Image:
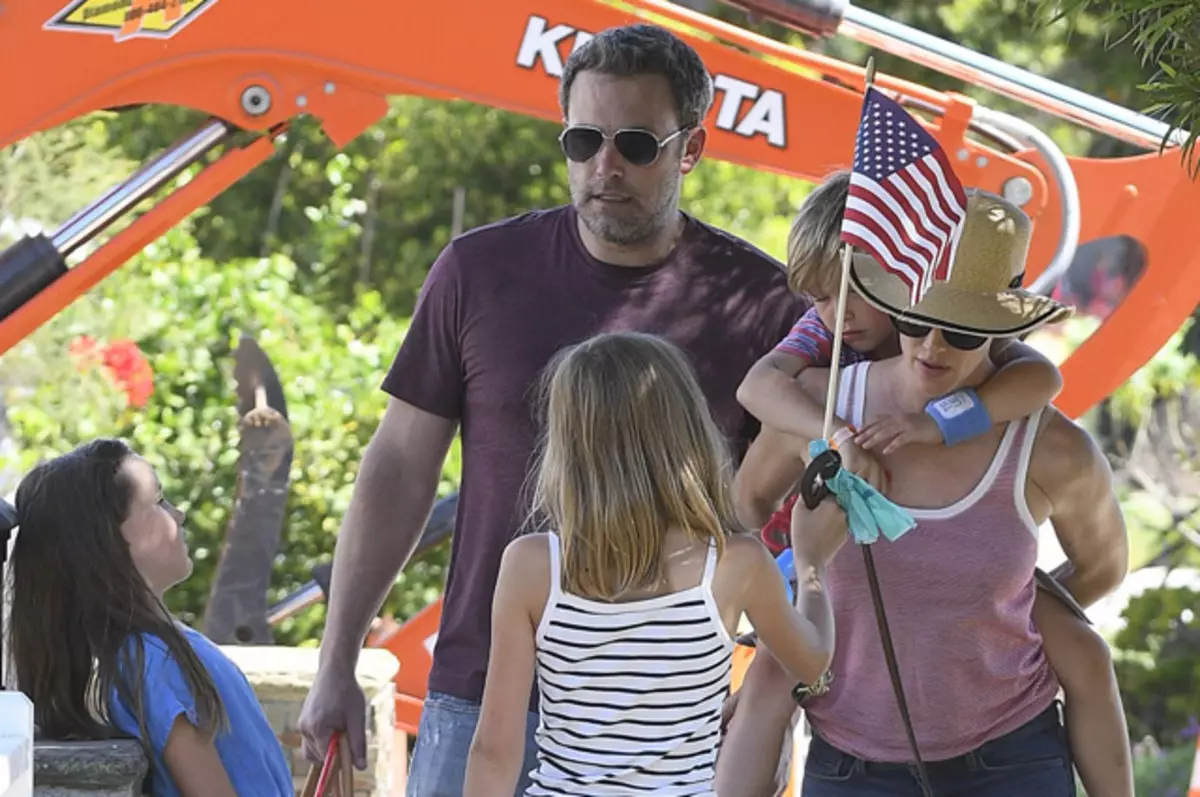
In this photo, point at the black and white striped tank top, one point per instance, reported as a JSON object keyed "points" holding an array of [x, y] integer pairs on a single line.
{"points": [[631, 693]]}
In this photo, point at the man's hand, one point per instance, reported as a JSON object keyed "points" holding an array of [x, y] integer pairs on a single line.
{"points": [[334, 703], [891, 433], [862, 463], [393, 493]]}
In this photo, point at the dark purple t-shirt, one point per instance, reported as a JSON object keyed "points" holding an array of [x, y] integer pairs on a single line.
{"points": [[499, 302]]}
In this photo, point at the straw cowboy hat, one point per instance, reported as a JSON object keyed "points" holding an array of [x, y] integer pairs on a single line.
{"points": [[983, 294]]}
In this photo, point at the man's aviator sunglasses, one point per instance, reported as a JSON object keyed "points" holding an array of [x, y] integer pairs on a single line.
{"points": [[580, 143], [958, 340]]}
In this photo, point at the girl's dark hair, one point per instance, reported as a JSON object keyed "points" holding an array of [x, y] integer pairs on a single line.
{"points": [[80, 606]]}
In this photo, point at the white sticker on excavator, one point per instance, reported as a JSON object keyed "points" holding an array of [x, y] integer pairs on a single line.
{"points": [[764, 115]]}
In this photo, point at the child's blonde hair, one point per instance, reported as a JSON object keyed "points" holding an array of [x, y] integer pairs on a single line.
{"points": [[629, 450], [814, 242]]}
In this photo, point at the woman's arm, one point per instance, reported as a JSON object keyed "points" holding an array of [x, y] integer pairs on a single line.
{"points": [[494, 763], [1072, 472]]}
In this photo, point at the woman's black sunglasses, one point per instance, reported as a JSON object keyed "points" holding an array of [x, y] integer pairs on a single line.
{"points": [[580, 143], [958, 340]]}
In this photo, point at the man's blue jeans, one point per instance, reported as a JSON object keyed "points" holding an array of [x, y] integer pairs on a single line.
{"points": [[1035, 759], [439, 761]]}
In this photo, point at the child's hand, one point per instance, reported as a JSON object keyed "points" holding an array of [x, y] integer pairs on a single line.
{"points": [[892, 432], [863, 464]]}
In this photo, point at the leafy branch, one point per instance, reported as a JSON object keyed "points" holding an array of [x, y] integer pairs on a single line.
{"points": [[1165, 34]]}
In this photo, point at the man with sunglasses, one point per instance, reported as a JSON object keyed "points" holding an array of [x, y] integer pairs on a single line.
{"points": [[980, 650], [499, 302]]}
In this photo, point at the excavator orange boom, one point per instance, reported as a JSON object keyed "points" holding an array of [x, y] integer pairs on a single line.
{"points": [[256, 65]]}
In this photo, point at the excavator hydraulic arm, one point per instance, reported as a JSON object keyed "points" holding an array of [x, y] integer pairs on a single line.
{"points": [[254, 66]]}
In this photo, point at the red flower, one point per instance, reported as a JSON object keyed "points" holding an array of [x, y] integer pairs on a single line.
{"points": [[125, 362], [84, 349]]}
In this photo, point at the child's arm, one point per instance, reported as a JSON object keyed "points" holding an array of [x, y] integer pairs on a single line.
{"points": [[800, 638], [194, 763], [1095, 716], [172, 717], [1024, 382], [770, 392], [494, 763]]}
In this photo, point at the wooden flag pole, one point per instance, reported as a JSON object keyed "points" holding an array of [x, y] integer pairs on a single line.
{"points": [[835, 370]]}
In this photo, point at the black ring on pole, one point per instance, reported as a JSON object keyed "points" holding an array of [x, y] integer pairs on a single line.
{"points": [[814, 485]]}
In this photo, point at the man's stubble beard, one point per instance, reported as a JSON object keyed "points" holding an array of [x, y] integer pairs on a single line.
{"points": [[628, 229]]}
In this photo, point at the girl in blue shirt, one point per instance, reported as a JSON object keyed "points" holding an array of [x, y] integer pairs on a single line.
{"points": [[94, 646]]}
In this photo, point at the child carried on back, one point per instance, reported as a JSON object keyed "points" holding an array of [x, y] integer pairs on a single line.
{"points": [[1024, 382], [624, 608]]}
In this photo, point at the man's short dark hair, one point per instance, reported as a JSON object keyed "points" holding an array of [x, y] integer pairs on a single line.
{"points": [[643, 49]]}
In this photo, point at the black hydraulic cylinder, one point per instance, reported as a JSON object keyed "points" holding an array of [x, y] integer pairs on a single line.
{"points": [[26, 269]]}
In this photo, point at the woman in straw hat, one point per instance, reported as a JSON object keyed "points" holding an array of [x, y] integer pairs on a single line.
{"points": [[959, 589]]}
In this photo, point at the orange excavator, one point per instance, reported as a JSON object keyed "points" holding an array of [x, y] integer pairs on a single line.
{"points": [[254, 66]]}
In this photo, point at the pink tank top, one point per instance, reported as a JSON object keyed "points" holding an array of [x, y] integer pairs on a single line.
{"points": [[958, 590]]}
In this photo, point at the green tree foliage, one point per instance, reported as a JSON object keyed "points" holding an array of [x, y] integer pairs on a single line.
{"points": [[187, 313], [1159, 671], [374, 216], [1165, 34], [49, 177], [1162, 771]]}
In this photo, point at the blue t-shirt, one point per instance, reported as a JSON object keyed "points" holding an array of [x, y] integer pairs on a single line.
{"points": [[249, 749]]}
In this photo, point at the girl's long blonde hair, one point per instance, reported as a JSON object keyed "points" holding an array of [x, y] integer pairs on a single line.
{"points": [[629, 450]]}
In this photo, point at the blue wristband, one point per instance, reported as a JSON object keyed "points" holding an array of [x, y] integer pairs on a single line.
{"points": [[960, 415]]}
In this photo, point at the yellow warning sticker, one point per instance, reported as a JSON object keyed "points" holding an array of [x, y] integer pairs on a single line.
{"points": [[129, 19]]}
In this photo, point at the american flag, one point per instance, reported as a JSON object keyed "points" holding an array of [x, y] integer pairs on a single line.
{"points": [[906, 206]]}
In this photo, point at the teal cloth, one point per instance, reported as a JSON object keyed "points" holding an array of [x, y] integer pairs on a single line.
{"points": [[868, 513]]}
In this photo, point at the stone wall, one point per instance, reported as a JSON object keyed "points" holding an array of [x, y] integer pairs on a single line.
{"points": [[115, 768], [281, 678]]}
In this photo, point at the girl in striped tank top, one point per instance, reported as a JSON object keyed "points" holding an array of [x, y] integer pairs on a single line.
{"points": [[623, 608]]}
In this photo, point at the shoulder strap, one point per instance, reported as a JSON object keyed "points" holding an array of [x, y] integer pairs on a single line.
{"points": [[844, 393], [1025, 438], [710, 567], [555, 569], [852, 392], [1029, 433]]}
